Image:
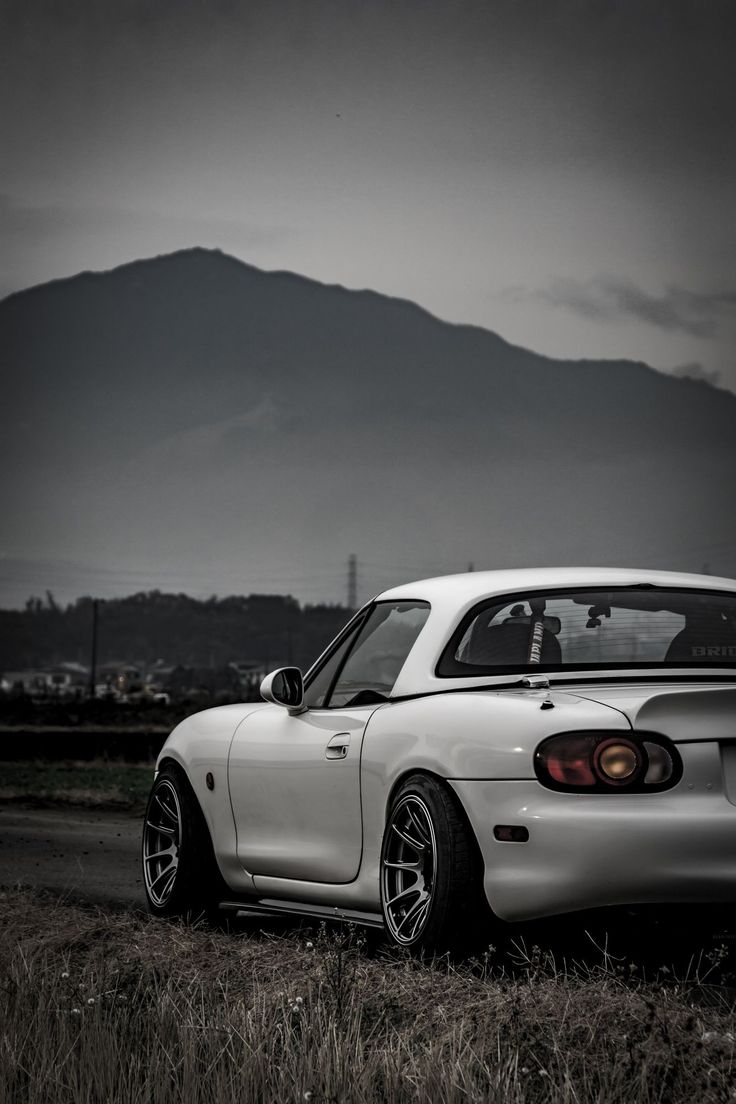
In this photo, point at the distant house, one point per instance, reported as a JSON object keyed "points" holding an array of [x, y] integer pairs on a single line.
{"points": [[28, 681], [157, 682], [250, 672], [61, 681], [120, 678]]}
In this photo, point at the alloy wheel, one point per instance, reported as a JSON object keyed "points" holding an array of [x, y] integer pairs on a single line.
{"points": [[161, 842], [408, 869]]}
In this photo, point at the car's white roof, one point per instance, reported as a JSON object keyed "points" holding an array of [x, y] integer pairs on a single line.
{"points": [[452, 596], [476, 585]]}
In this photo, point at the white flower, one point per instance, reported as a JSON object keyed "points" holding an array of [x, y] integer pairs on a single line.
{"points": [[75, 1011], [90, 1000], [65, 973], [299, 1000]]}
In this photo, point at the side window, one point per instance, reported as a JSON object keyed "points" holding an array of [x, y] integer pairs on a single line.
{"points": [[380, 652], [319, 686]]}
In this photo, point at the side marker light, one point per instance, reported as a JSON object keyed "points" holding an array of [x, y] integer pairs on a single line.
{"points": [[511, 833]]}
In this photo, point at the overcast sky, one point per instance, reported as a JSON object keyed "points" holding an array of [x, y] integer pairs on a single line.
{"points": [[559, 171]]}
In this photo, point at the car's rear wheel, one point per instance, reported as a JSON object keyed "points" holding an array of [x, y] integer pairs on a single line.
{"points": [[180, 873], [431, 896]]}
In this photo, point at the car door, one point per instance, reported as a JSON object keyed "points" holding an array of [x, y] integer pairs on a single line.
{"points": [[295, 780]]}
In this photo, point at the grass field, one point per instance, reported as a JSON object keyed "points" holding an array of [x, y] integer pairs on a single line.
{"points": [[118, 1008], [93, 783]]}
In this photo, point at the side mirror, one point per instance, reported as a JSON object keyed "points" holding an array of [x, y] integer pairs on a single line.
{"points": [[285, 687]]}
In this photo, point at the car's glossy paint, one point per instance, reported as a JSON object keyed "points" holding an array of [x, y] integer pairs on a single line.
{"points": [[605, 850], [685, 712], [200, 744], [314, 829], [288, 823]]}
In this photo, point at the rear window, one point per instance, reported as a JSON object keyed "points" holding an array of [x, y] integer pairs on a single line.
{"points": [[611, 628]]}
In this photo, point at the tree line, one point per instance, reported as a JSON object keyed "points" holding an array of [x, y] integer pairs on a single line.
{"points": [[173, 628]]}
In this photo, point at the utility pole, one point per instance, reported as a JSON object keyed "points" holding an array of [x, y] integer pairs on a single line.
{"points": [[352, 581], [93, 660]]}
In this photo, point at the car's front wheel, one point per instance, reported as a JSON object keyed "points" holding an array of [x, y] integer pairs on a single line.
{"points": [[180, 873], [431, 895]]}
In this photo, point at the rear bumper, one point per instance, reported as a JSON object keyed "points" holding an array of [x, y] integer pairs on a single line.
{"points": [[593, 850]]}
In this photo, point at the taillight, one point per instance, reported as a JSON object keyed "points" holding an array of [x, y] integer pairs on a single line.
{"points": [[604, 761], [660, 767], [617, 762], [568, 760]]}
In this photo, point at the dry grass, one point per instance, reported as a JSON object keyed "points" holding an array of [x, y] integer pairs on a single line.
{"points": [[114, 1007]]}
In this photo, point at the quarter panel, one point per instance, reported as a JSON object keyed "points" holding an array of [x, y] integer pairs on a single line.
{"points": [[684, 713], [488, 735], [592, 850]]}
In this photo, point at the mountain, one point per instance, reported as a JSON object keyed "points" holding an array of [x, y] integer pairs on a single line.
{"points": [[194, 414]]}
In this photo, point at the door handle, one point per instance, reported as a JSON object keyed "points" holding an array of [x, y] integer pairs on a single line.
{"points": [[338, 746]]}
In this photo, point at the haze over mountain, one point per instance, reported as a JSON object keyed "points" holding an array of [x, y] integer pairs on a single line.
{"points": [[194, 423]]}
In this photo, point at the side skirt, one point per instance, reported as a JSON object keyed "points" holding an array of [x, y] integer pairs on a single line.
{"points": [[268, 907]]}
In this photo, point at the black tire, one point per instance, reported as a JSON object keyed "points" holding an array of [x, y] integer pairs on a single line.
{"points": [[431, 871], [180, 873]]}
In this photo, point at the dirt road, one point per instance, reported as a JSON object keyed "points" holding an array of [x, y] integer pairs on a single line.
{"points": [[94, 855]]}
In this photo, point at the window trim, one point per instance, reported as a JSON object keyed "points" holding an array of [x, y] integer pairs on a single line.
{"points": [[447, 667]]}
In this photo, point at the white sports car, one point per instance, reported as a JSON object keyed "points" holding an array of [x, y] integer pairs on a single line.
{"points": [[508, 744]]}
